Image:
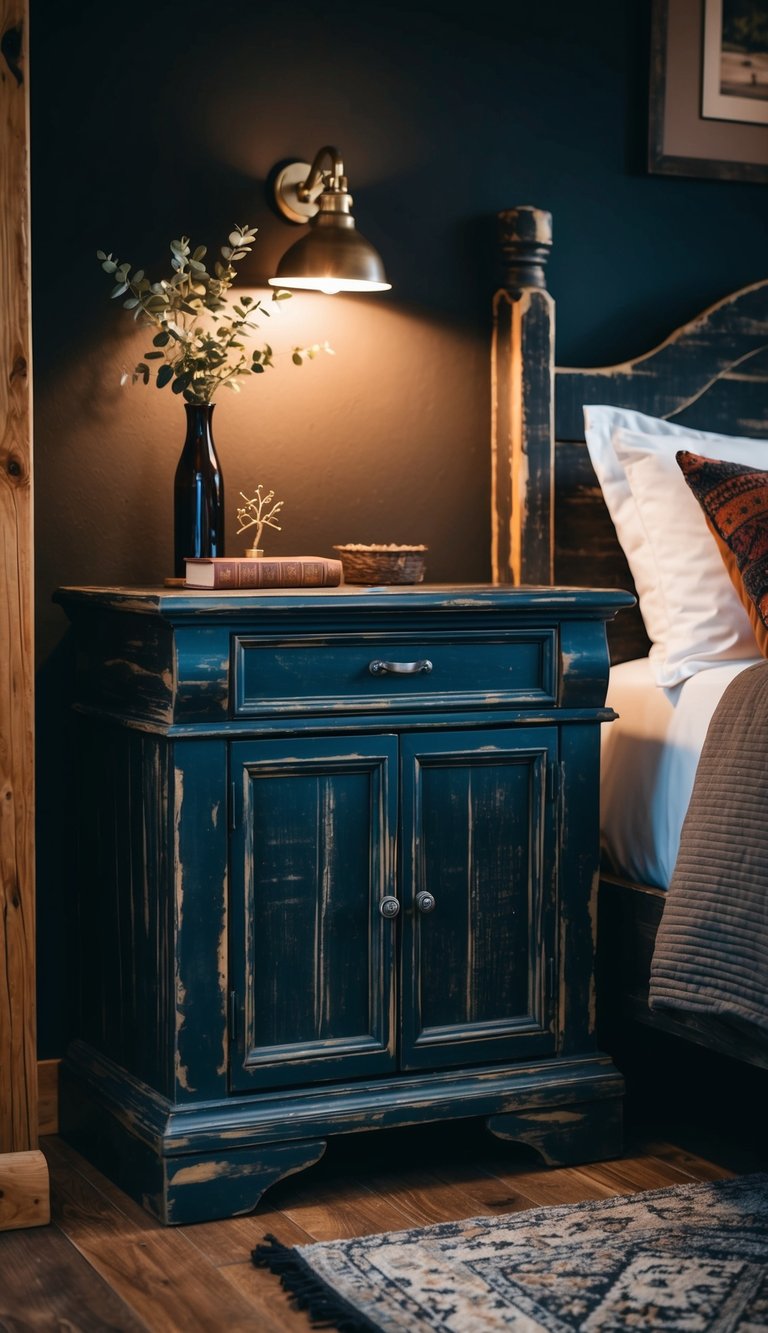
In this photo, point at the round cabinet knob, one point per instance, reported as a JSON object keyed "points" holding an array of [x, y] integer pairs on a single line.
{"points": [[425, 902], [389, 906]]}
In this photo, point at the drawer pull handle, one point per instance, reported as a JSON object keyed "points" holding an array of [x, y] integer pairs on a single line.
{"points": [[378, 668], [389, 907], [425, 902]]}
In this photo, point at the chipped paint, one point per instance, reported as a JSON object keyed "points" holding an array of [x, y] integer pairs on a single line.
{"points": [[560, 1116], [222, 952], [180, 993], [136, 669]]}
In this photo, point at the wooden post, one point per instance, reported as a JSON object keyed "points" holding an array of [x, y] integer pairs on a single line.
{"points": [[23, 1171], [522, 417]]}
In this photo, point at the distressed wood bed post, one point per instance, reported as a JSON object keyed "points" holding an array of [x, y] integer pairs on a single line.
{"points": [[23, 1169], [522, 410]]}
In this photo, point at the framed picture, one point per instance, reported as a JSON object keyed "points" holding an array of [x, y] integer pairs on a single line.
{"points": [[708, 104]]}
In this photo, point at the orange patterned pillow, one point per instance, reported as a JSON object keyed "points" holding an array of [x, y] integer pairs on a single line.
{"points": [[734, 499]]}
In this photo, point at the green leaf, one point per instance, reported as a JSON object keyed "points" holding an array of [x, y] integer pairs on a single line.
{"points": [[200, 343]]}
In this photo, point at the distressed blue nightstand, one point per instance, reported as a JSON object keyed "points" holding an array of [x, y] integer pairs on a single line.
{"points": [[338, 867]]}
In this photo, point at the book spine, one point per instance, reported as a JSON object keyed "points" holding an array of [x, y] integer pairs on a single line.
{"points": [[263, 573]]}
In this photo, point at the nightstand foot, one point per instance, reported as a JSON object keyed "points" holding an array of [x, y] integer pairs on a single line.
{"points": [[566, 1135], [215, 1186]]}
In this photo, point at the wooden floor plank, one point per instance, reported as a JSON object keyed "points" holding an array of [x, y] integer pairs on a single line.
{"points": [[545, 1188], [343, 1207], [628, 1175], [46, 1284], [694, 1164], [159, 1274], [446, 1193], [271, 1306], [231, 1241], [720, 1148], [106, 1266]]}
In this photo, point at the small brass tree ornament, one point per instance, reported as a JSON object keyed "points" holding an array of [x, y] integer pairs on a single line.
{"points": [[255, 514]]}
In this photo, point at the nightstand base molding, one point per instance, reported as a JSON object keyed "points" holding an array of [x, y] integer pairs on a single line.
{"points": [[216, 1160]]}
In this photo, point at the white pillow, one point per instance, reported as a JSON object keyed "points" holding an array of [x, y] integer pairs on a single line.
{"points": [[690, 608]]}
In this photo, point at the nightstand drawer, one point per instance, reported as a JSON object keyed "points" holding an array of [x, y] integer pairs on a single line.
{"points": [[366, 673]]}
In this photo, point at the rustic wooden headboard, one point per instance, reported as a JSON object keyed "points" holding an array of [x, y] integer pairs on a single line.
{"points": [[549, 520]]}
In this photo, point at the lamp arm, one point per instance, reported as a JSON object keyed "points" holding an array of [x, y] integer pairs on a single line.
{"points": [[317, 175]]}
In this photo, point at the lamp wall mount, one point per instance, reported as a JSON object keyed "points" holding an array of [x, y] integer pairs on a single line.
{"points": [[299, 185]]}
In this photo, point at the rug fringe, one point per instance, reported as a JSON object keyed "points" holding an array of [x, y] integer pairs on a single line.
{"points": [[307, 1291]]}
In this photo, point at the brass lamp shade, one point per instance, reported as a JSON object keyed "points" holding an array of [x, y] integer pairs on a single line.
{"points": [[333, 257]]}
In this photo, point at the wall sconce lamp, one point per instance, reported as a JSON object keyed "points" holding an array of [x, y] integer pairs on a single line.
{"points": [[333, 257]]}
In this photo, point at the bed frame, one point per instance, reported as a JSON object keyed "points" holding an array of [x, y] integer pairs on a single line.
{"points": [[550, 524]]}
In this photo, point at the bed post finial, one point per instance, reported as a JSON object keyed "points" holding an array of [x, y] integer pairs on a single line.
{"points": [[522, 386], [526, 240]]}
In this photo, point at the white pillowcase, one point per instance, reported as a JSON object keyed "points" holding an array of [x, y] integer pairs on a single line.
{"points": [[690, 608]]}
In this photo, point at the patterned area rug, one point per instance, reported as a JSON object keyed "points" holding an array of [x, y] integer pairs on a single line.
{"points": [[690, 1259]]}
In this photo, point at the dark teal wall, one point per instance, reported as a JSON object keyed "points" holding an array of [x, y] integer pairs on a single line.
{"points": [[150, 122]]}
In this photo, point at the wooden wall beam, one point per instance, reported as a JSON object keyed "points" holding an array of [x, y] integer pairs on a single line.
{"points": [[23, 1172]]}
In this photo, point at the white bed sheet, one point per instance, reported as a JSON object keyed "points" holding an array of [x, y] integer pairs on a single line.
{"points": [[648, 764]]}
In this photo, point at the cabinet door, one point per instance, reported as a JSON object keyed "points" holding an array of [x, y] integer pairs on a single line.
{"points": [[311, 961], [479, 838]]}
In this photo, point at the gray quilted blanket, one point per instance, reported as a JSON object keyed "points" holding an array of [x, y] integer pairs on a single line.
{"points": [[711, 951]]}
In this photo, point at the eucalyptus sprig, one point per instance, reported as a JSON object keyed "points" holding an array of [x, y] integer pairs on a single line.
{"points": [[199, 345]]}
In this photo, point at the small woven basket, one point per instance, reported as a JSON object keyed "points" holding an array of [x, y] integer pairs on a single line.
{"points": [[382, 564]]}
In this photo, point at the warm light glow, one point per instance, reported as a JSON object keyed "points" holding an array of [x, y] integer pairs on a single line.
{"points": [[330, 286]]}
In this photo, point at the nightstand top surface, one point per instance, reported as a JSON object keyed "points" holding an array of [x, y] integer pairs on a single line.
{"points": [[204, 602]]}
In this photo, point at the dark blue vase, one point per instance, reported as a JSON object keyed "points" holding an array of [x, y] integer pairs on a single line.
{"points": [[198, 492]]}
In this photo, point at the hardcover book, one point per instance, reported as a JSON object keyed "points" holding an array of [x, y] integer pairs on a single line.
{"points": [[283, 571]]}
